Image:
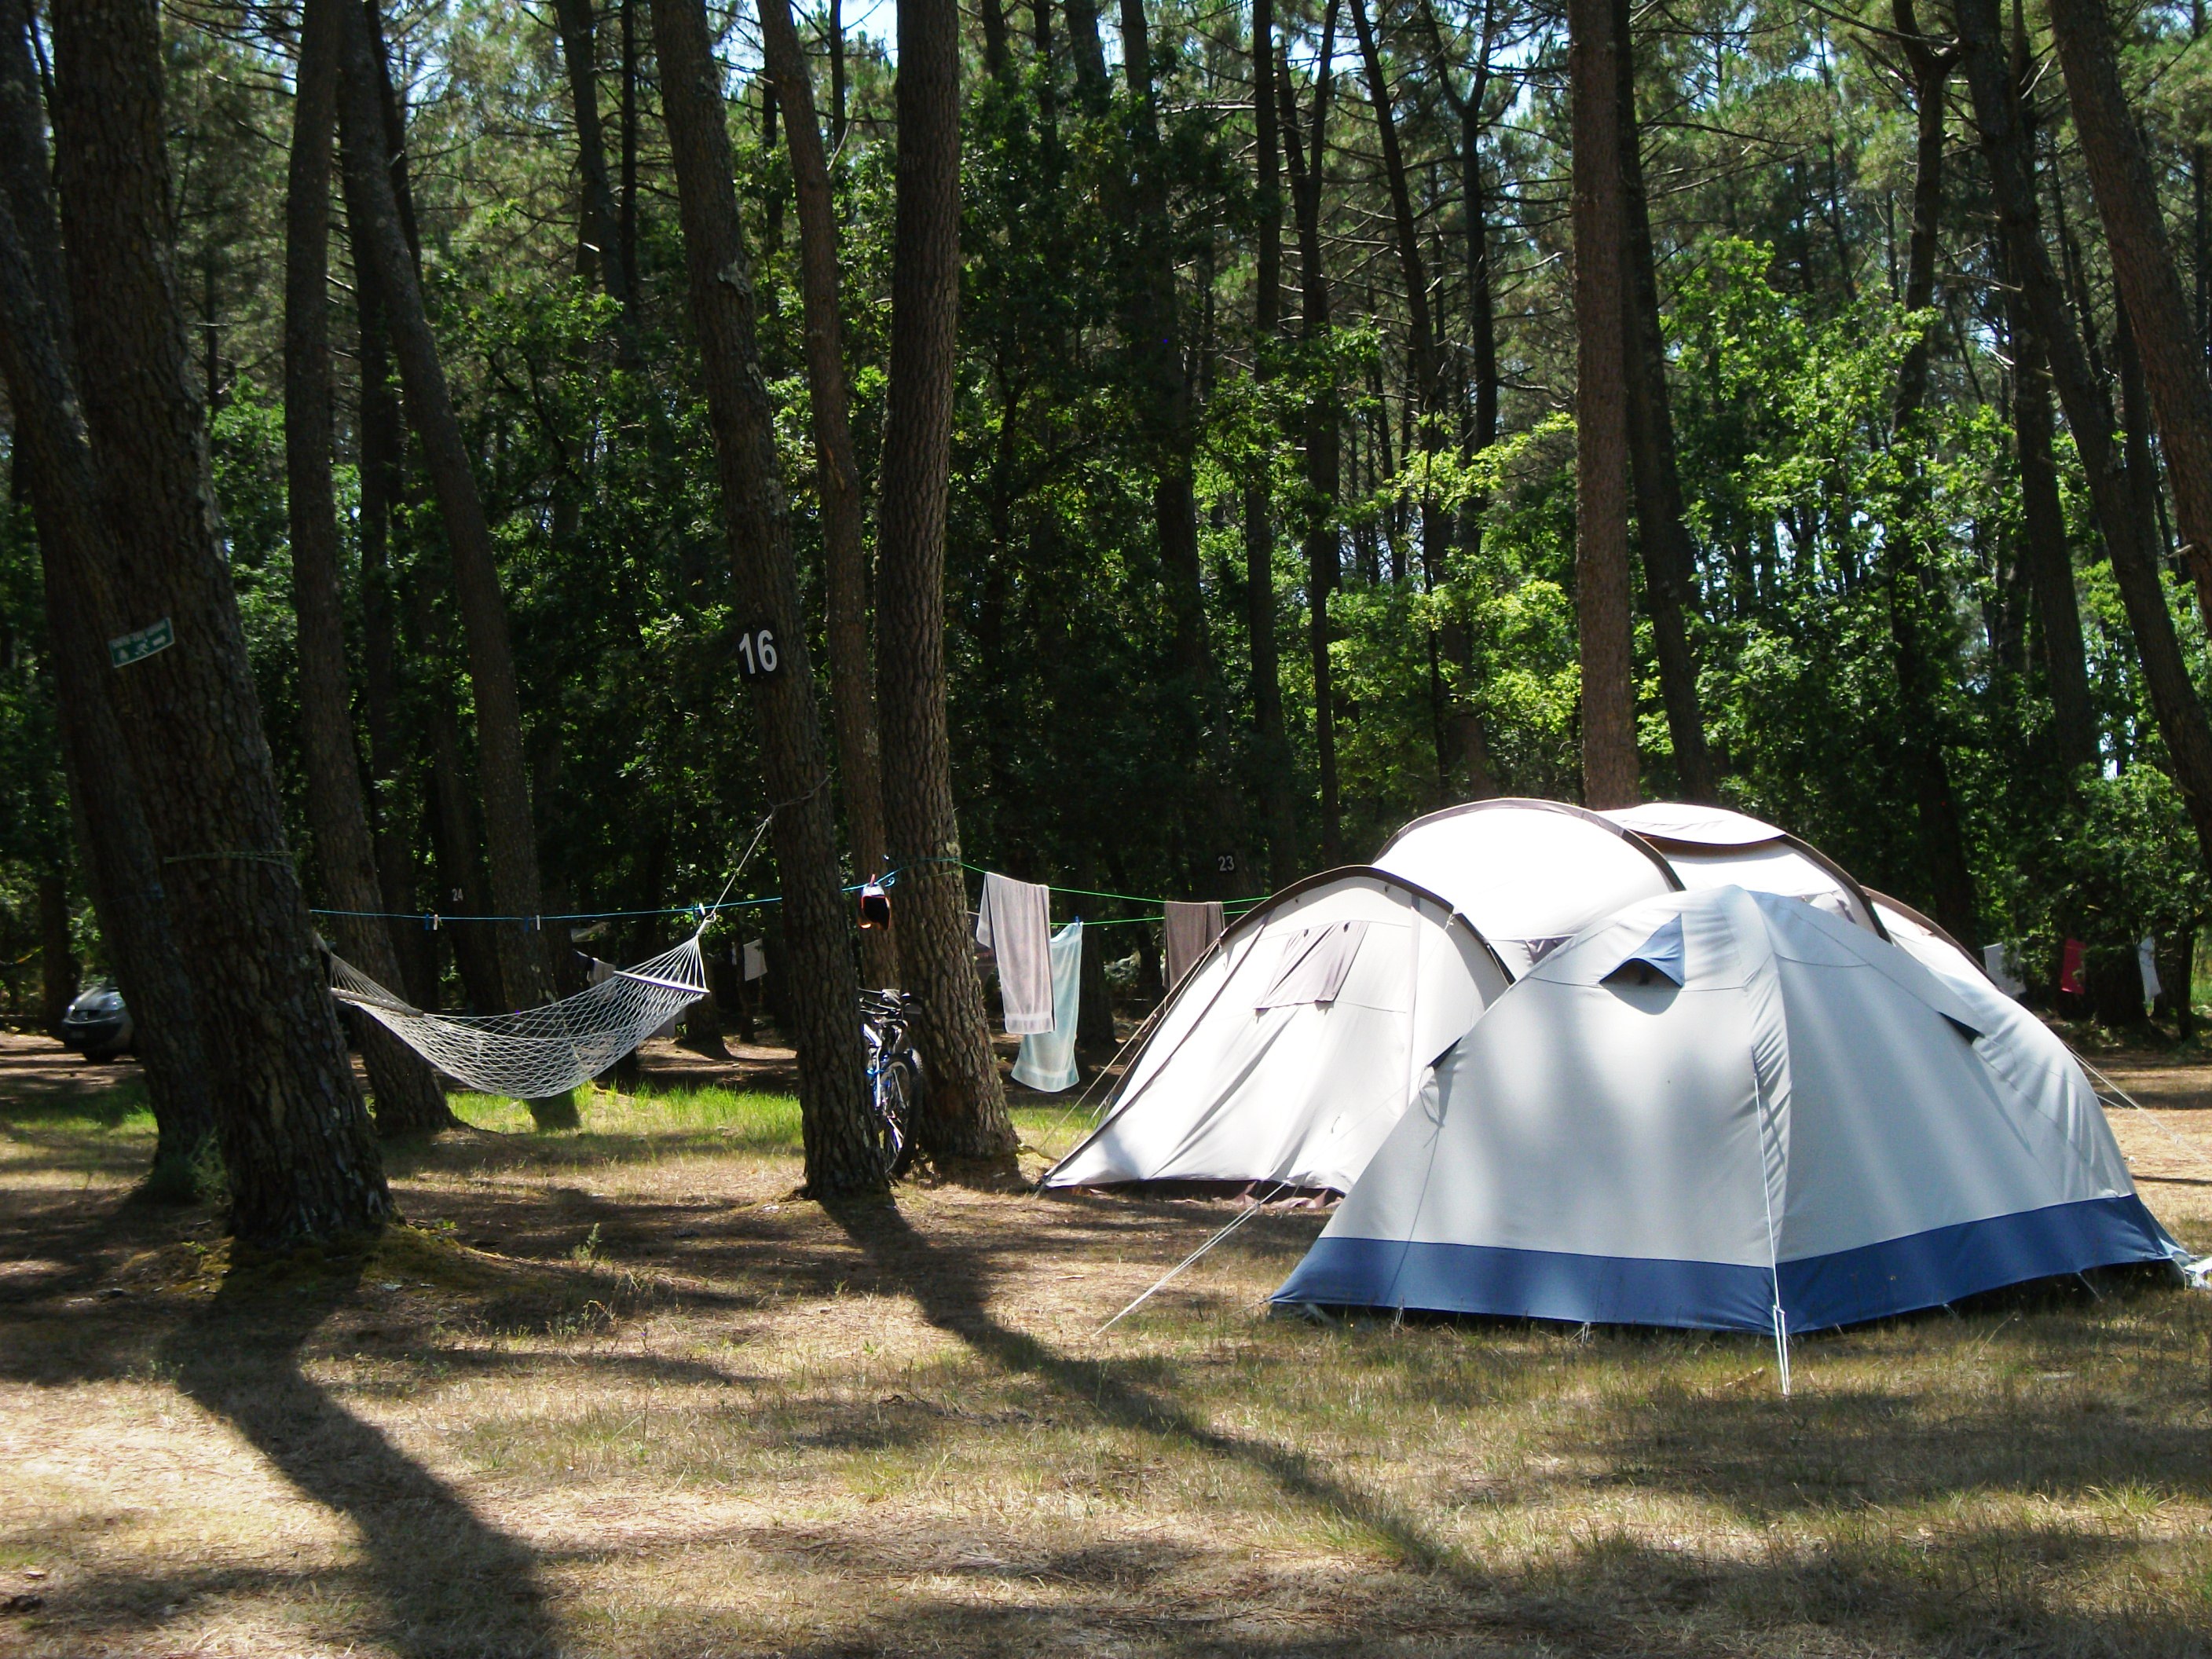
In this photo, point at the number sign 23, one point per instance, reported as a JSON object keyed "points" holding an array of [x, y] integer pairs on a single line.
{"points": [[759, 658]]}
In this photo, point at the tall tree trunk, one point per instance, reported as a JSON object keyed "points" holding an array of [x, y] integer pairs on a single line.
{"points": [[1914, 605], [121, 868], [2174, 703], [601, 231], [1420, 334], [1424, 403], [837, 476], [816, 955], [1601, 232], [1092, 91], [1482, 317], [406, 1091], [131, 475], [626, 210], [1323, 425], [2136, 423], [1670, 564], [378, 440], [452, 824], [998, 57], [1272, 746], [1048, 81], [2042, 544], [379, 241], [1167, 417], [2143, 271], [965, 1123], [382, 474], [58, 976], [837, 77]]}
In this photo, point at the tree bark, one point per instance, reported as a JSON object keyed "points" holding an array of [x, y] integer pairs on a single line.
{"points": [[998, 56], [1271, 745], [406, 1092], [2174, 703], [1662, 537], [1323, 425], [964, 1125], [2042, 544], [121, 868], [1424, 412], [58, 976], [1911, 600], [817, 949], [296, 1145], [1167, 417], [511, 839], [1601, 488], [2044, 551], [837, 477], [1092, 90], [2143, 271], [601, 233], [626, 216], [452, 825], [378, 436], [1481, 784]]}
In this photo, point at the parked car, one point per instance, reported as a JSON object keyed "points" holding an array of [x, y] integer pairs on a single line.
{"points": [[98, 1026]]}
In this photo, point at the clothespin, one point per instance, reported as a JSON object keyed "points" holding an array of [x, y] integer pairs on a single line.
{"points": [[433, 922]]}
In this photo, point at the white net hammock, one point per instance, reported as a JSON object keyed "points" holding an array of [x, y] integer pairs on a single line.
{"points": [[537, 1052]]}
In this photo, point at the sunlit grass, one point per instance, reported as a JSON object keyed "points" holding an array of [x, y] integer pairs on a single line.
{"points": [[628, 1372], [111, 1105], [744, 1120]]}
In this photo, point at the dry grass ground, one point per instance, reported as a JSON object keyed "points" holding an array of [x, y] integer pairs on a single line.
{"points": [[618, 1392]]}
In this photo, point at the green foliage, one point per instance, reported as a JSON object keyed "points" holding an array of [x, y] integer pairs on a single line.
{"points": [[2122, 865], [1086, 748]]}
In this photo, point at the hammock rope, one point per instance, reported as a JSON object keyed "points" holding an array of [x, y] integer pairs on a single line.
{"points": [[540, 1052], [543, 1051]]}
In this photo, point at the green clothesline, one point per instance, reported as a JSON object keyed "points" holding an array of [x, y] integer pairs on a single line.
{"points": [[1092, 892], [432, 919]]}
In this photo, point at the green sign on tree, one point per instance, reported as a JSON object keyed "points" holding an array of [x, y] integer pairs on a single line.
{"points": [[126, 648]]}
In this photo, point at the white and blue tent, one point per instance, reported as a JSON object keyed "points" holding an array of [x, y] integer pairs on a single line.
{"points": [[1290, 1051], [1719, 1103]]}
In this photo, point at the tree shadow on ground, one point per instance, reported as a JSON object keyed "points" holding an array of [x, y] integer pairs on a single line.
{"points": [[2004, 1582], [450, 1583]]}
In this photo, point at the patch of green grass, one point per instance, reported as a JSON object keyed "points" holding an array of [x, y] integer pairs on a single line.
{"points": [[1053, 1130], [739, 1121], [122, 1107]]}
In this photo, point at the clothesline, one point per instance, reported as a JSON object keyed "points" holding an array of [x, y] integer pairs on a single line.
{"points": [[1132, 898], [432, 919]]}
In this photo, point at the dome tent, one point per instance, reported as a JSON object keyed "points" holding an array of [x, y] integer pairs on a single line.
{"points": [[1529, 874], [1292, 1047], [1925, 941], [1712, 847], [1719, 1102]]}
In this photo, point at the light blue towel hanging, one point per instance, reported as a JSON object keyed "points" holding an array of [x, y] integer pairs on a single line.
{"points": [[1047, 1062]]}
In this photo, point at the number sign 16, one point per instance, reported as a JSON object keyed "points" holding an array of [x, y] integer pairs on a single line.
{"points": [[757, 656]]}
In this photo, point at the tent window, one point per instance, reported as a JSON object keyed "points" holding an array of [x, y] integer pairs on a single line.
{"points": [[1314, 964], [1659, 956]]}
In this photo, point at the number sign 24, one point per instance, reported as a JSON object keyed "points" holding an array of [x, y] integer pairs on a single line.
{"points": [[758, 657]]}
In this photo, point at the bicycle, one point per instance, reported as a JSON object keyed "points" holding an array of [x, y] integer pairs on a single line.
{"points": [[897, 1081]]}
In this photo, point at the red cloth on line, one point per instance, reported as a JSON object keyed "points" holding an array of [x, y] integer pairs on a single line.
{"points": [[2069, 968]]}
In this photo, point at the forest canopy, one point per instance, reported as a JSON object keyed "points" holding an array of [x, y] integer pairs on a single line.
{"points": [[1262, 525]]}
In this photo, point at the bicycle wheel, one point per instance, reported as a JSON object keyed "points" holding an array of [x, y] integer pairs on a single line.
{"points": [[895, 1094]]}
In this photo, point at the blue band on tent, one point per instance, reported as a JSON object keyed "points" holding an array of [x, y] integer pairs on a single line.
{"points": [[1923, 1270], [1946, 1263]]}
